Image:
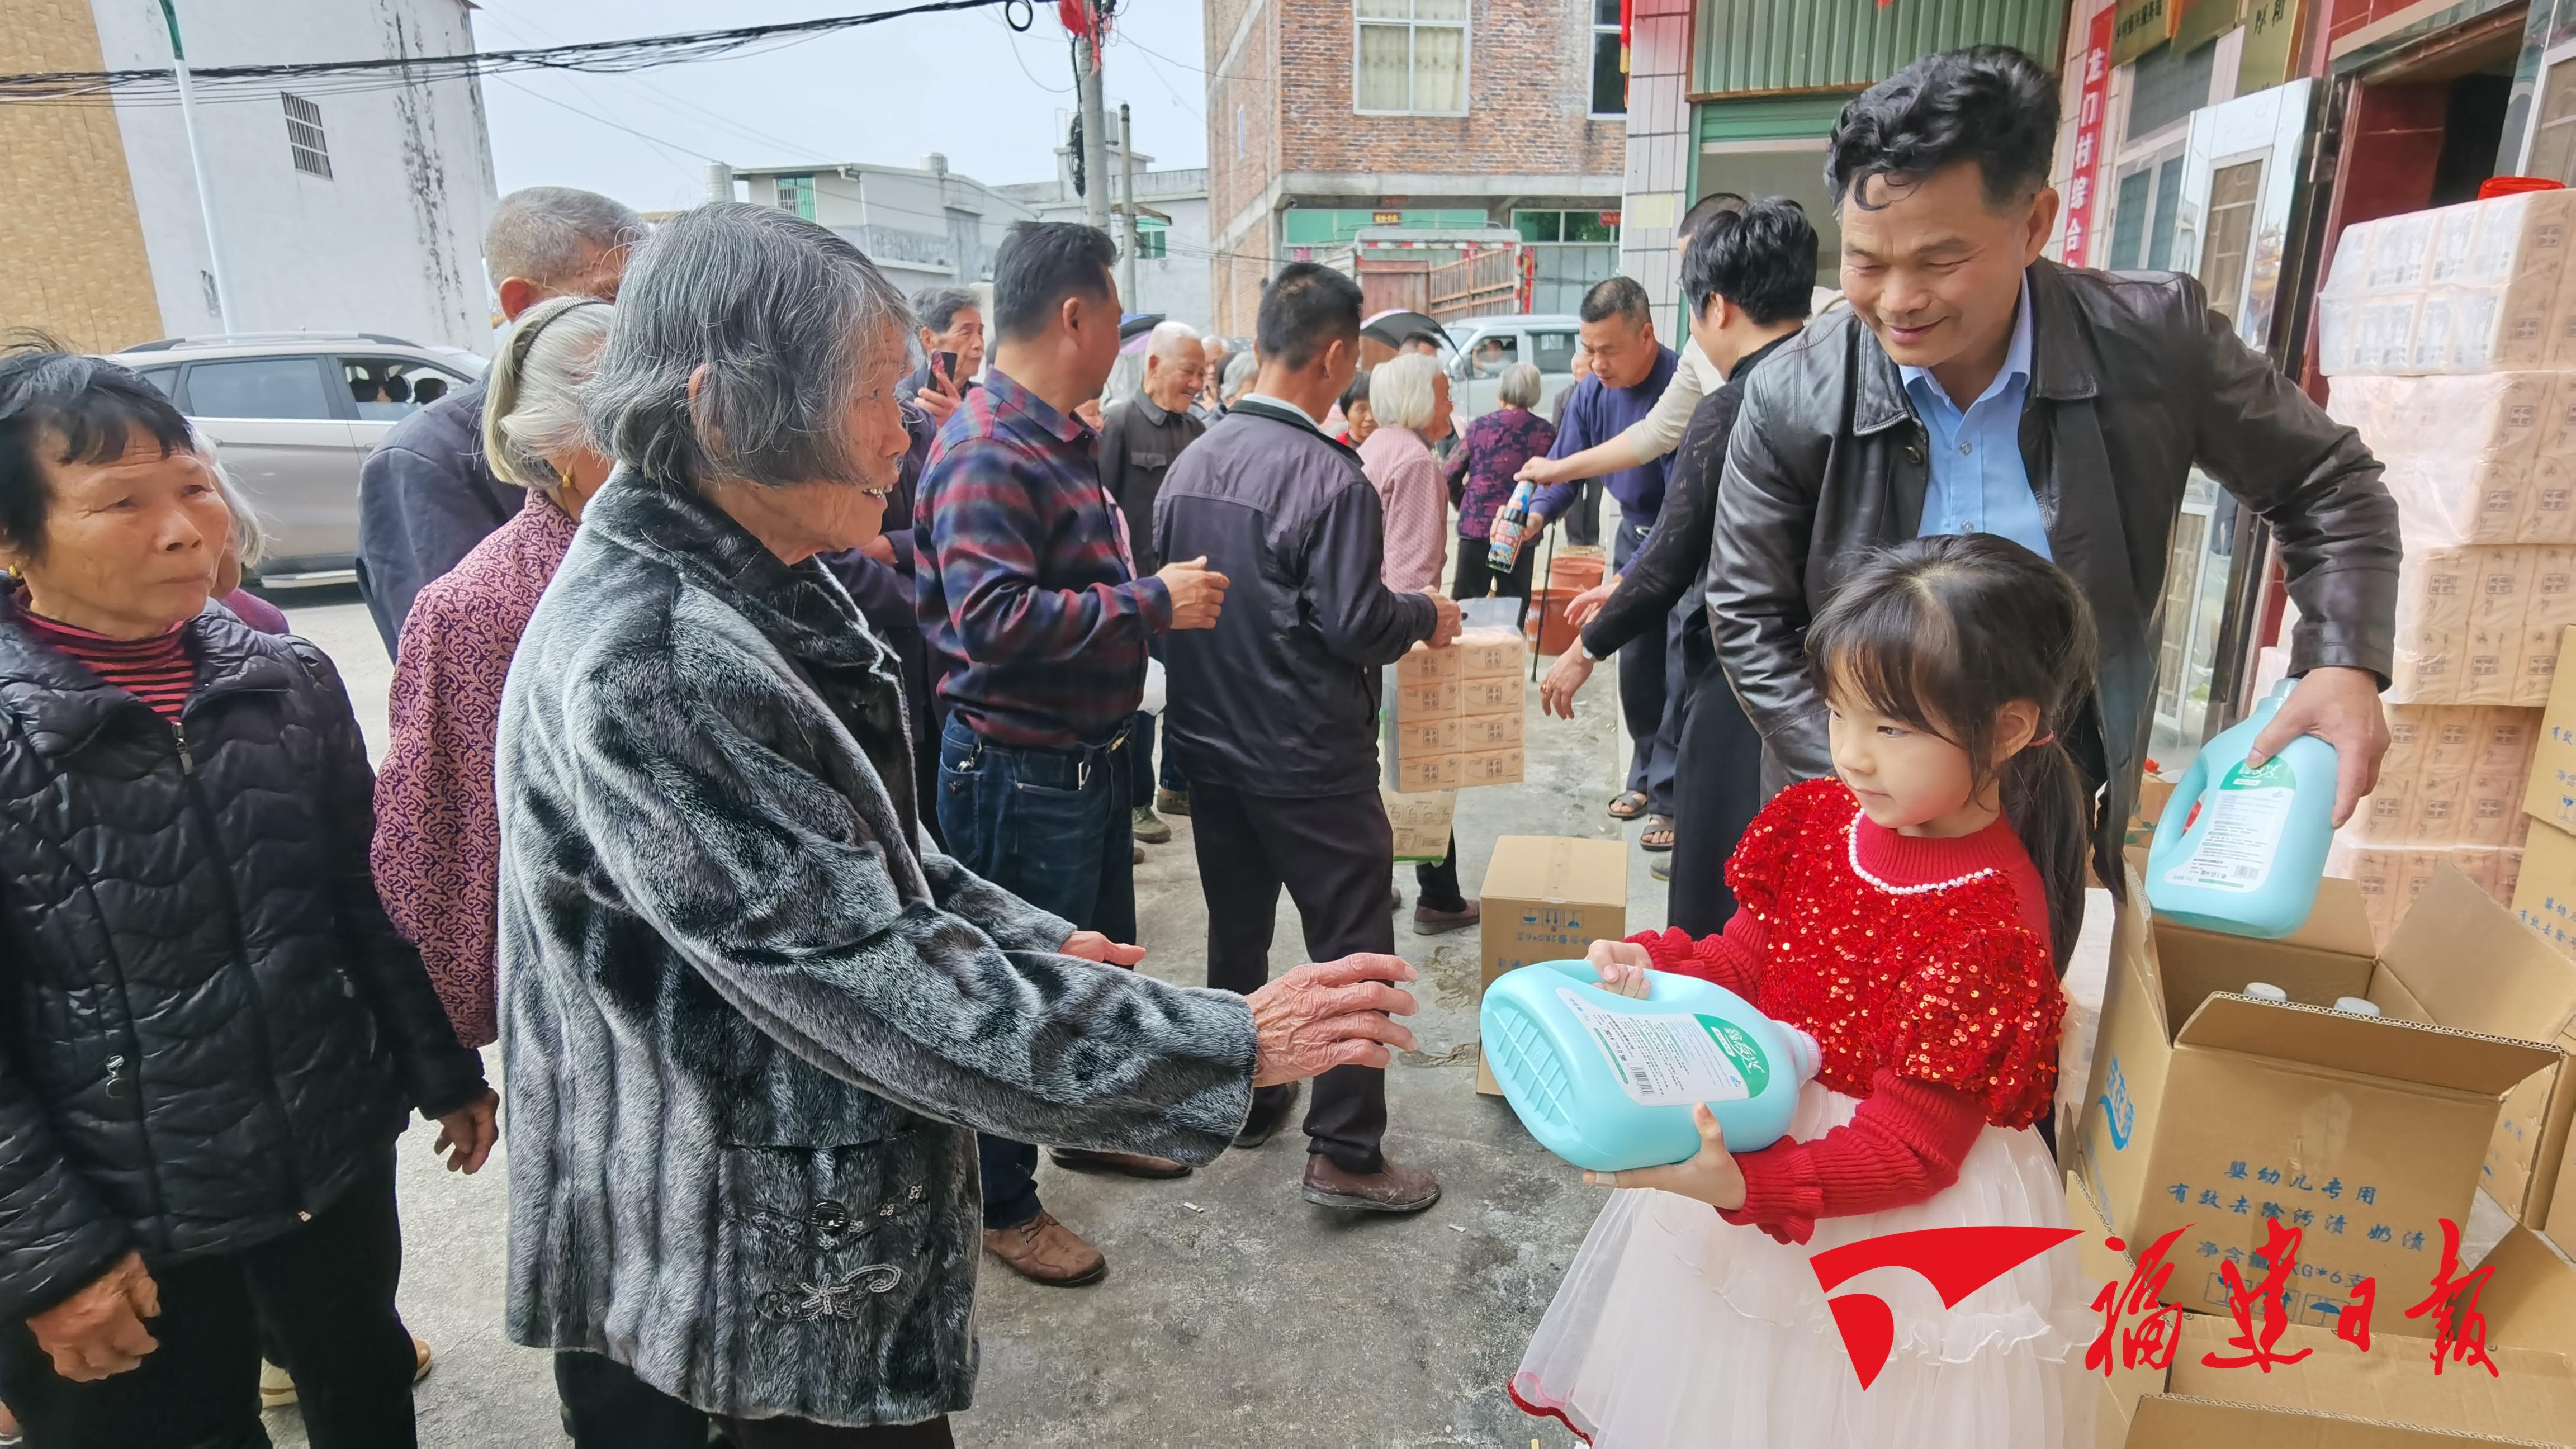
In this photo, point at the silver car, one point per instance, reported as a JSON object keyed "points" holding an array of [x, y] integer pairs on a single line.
{"points": [[1487, 345], [293, 414]]}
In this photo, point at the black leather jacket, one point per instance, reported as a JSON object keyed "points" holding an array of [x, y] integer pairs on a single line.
{"points": [[207, 1025], [2134, 382]]}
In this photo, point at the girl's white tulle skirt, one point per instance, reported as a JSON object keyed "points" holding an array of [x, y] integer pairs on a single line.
{"points": [[1675, 1328]]}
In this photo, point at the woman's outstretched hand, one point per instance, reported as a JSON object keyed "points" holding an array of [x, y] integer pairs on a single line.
{"points": [[1333, 1014], [1711, 1174]]}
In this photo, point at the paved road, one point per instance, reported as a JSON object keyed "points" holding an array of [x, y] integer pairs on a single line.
{"points": [[1234, 1313]]}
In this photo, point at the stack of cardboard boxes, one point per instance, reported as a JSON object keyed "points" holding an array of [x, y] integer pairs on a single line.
{"points": [[2450, 335], [2216, 1113], [1453, 717]]}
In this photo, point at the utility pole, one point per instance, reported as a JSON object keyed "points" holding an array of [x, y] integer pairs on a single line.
{"points": [[1095, 132], [1127, 199], [197, 160]]}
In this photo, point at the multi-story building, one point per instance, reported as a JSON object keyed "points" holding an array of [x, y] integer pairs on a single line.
{"points": [[1171, 228], [1327, 118], [347, 208], [922, 227]]}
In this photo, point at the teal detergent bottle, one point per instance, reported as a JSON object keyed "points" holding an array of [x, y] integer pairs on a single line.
{"points": [[1607, 1082], [2241, 849]]}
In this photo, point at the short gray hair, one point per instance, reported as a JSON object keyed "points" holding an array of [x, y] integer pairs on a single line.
{"points": [[532, 406], [1401, 391], [786, 319], [936, 307], [1239, 370], [1520, 386], [250, 535], [1168, 334], [546, 233]]}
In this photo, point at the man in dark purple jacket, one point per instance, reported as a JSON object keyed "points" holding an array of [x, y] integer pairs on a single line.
{"points": [[1273, 712]]}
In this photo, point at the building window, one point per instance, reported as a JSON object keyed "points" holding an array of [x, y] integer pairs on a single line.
{"points": [[796, 194], [1151, 239], [1609, 76], [1569, 251], [1412, 57], [2165, 87], [304, 136]]}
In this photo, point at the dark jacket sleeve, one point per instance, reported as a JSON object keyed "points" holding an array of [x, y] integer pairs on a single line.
{"points": [[417, 516], [1668, 565], [438, 1074], [1461, 458], [1113, 452], [2317, 485], [56, 1234], [1361, 619], [1757, 600]]}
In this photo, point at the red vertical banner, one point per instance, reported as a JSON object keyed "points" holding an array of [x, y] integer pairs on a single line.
{"points": [[2092, 112]]}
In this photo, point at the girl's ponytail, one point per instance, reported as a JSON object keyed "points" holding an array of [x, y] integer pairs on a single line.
{"points": [[2044, 800]]}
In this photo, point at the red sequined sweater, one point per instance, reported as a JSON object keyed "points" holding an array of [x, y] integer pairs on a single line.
{"points": [[1922, 969]]}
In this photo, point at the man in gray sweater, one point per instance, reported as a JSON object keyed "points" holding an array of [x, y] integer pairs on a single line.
{"points": [[1273, 712]]}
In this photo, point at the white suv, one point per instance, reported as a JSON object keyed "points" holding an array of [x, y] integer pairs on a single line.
{"points": [[293, 414]]}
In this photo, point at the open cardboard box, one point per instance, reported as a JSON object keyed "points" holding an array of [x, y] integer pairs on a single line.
{"points": [[1547, 898], [2339, 1397], [2211, 1110]]}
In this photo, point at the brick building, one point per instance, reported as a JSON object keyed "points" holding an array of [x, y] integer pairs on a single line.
{"points": [[1329, 116]]}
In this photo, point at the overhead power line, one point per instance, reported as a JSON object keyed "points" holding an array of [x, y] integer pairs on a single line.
{"points": [[597, 57]]}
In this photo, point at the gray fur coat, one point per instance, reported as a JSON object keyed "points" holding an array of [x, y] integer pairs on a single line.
{"points": [[750, 1025]]}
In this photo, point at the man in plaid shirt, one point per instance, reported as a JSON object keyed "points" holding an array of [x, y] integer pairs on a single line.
{"points": [[1028, 590]]}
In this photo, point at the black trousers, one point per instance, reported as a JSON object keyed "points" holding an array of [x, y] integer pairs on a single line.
{"points": [[1641, 673], [326, 1290], [1475, 577], [1334, 853], [610, 1408], [1717, 790]]}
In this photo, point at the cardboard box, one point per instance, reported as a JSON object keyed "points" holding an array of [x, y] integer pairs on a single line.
{"points": [[2339, 1397], [2544, 897], [1494, 731], [1548, 898], [1491, 694], [2211, 1110], [1490, 767], [2551, 795], [1438, 700], [2562, 1207], [2530, 1302]]}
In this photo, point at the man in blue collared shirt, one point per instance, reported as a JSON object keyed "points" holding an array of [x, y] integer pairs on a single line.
{"points": [[1979, 482]]}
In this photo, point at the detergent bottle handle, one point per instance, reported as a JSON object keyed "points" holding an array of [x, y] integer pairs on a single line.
{"points": [[2178, 808]]}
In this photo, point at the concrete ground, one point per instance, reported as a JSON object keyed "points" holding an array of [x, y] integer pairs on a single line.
{"points": [[1233, 1312]]}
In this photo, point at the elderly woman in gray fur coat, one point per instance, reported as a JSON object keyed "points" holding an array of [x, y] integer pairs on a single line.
{"points": [[751, 1022]]}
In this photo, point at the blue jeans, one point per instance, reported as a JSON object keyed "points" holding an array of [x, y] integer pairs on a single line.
{"points": [[1140, 730], [1055, 828]]}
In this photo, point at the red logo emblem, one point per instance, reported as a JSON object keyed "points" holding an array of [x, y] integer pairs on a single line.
{"points": [[1956, 1261]]}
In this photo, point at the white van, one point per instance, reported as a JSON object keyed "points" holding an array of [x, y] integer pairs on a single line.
{"points": [[1487, 345]]}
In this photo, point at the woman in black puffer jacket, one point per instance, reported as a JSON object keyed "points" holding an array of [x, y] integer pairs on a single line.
{"points": [[209, 1035]]}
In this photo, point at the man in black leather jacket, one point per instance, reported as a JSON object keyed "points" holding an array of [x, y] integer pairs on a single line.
{"points": [[1749, 274], [1874, 426]]}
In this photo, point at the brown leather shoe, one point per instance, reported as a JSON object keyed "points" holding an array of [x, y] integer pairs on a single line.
{"points": [[1125, 1164], [1043, 1250], [1390, 1189], [1428, 922]]}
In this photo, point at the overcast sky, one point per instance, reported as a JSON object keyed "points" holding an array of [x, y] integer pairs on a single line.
{"points": [[961, 83]]}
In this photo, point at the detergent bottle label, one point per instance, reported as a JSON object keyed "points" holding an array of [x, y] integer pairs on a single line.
{"points": [[2246, 814], [1674, 1059]]}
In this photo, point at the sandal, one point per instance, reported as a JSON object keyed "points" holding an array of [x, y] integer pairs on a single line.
{"points": [[1628, 805], [1659, 834]]}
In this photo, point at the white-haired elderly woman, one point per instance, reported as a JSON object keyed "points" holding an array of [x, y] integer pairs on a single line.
{"points": [[751, 1023], [437, 851], [1409, 397], [1483, 471]]}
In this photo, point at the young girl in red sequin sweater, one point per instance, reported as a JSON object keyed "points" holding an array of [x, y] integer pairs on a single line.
{"points": [[1914, 915]]}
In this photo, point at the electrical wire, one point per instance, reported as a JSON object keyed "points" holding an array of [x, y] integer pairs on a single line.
{"points": [[598, 57]]}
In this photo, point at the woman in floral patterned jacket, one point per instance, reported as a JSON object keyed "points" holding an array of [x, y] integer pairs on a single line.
{"points": [[1481, 470], [437, 852]]}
